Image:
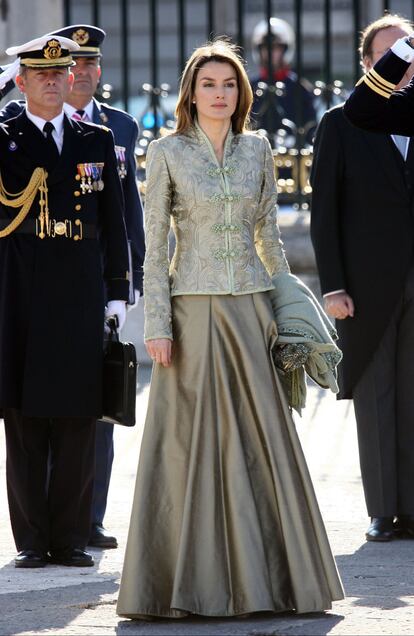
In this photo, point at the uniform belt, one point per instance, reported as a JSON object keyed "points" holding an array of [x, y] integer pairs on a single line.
{"points": [[75, 230]]}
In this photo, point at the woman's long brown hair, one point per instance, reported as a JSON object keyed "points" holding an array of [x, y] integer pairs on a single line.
{"points": [[217, 51]]}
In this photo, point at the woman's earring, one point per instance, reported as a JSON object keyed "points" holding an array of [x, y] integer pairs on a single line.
{"points": [[194, 101]]}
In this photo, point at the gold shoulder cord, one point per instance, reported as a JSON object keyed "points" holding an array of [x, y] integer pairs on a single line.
{"points": [[24, 199]]}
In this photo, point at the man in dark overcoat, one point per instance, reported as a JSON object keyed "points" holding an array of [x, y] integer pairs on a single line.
{"points": [[81, 105], [362, 231], [62, 247]]}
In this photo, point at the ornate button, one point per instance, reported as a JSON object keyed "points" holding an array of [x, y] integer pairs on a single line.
{"points": [[77, 193], [77, 177], [78, 207]]}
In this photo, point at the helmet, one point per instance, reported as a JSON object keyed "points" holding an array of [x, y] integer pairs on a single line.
{"points": [[282, 33]]}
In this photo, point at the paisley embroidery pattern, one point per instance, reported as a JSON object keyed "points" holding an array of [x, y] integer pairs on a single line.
{"points": [[223, 218]]}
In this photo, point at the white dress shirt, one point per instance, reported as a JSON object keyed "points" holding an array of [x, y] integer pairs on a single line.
{"points": [[69, 110], [57, 122]]}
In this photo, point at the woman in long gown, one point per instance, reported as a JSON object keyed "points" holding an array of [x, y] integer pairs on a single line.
{"points": [[224, 520]]}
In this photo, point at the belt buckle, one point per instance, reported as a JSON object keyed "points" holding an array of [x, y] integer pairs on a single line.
{"points": [[60, 228]]}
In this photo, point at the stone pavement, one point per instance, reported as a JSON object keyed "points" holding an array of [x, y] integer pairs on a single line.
{"points": [[378, 578]]}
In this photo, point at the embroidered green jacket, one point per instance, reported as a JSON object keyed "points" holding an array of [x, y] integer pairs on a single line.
{"points": [[227, 240]]}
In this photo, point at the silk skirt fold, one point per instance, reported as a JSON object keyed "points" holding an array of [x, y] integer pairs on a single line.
{"points": [[225, 519]]}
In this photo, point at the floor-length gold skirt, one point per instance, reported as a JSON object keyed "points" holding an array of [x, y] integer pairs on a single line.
{"points": [[224, 519]]}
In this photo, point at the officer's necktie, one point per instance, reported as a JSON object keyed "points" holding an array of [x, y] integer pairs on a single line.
{"points": [[53, 152], [401, 143], [80, 115]]}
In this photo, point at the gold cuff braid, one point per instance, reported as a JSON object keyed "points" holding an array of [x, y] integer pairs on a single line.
{"points": [[24, 199]]}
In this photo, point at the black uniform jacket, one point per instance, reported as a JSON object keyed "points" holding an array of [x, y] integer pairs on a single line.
{"points": [[125, 131], [373, 105], [362, 231], [52, 289]]}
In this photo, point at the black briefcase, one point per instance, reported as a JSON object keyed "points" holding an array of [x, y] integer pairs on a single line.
{"points": [[119, 378]]}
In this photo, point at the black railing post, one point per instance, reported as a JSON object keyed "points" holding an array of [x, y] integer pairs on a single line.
{"points": [[240, 25], [269, 43], [181, 35], [154, 63], [298, 63], [210, 19], [95, 12], [124, 53], [357, 27], [327, 47], [66, 12]]}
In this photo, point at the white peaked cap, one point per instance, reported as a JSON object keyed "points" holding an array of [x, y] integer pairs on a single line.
{"points": [[39, 43]]}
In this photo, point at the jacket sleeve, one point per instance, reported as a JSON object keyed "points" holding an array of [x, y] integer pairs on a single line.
{"points": [[133, 214], [157, 300], [266, 232], [113, 227], [375, 105], [326, 179], [12, 109]]}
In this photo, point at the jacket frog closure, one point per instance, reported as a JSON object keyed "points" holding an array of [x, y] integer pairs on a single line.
{"points": [[223, 218]]}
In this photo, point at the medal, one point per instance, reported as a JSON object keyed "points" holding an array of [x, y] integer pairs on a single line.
{"points": [[88, 170], [120, 155], [81, 172], [100, 167], [95, 176]]}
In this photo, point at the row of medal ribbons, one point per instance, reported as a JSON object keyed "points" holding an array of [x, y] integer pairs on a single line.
{"points": [[90, 177], [120, 157]]}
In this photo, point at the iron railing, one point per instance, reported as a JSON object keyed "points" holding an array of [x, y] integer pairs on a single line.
{"points": [[292, 163]]}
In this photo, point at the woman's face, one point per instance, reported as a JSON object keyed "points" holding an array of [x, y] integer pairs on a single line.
{"points": [[216, 91]]}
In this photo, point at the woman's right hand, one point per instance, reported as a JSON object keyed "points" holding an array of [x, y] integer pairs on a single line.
{"points": [[159, 350]]}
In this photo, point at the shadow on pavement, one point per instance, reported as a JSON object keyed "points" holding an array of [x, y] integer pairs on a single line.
{"points": [[53, 608], [262, 624], [379, 575]]}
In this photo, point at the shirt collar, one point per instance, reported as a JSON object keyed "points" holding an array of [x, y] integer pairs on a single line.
{"points": [[69, 110], [39, 122]]}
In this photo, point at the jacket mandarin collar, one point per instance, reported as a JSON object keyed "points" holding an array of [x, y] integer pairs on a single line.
{"points": [[203, 139]]}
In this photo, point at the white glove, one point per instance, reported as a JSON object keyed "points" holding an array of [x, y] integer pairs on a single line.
{"points": [[136, 297], [9, 73], [116, 308]]}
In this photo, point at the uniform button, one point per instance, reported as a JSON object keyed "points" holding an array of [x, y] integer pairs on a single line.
{"points": [[78, 207], [77, 193], [77, 177], [231, 198], [222, 197]]}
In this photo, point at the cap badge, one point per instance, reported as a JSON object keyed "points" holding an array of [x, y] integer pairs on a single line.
{"points": [[52, 50], [81, 36]]}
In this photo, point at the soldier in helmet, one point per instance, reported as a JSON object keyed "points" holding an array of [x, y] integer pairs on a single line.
{"points": [[293, 100]]}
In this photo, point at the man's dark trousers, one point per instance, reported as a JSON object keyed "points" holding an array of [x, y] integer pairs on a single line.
{"points": [[57, 516], [103, 468], [384, 409]]}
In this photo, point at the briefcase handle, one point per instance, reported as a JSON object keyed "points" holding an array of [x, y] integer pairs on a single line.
{"points": [[112, 324]]}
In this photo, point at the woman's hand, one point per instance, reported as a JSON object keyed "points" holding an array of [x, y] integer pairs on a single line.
{"points": [[159, 350]]}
